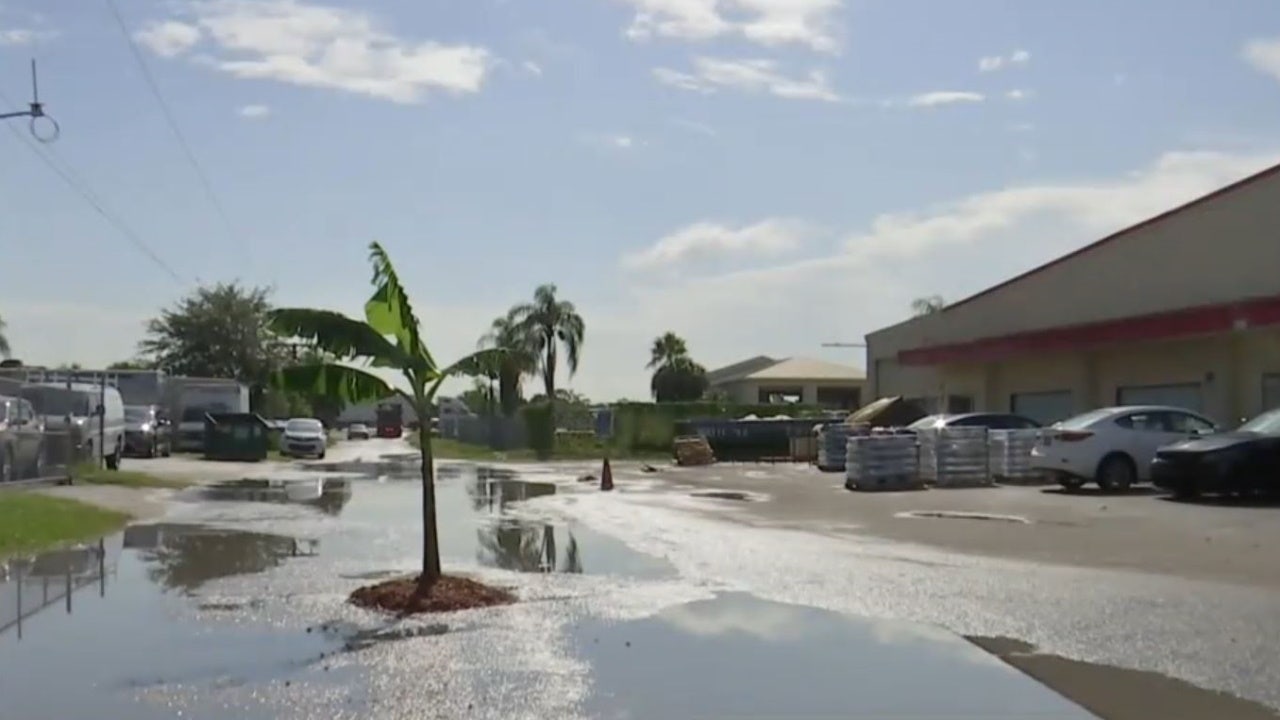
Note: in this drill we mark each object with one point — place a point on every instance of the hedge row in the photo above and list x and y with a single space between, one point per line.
652 426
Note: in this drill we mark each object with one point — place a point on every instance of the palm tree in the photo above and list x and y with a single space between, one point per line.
547 323
390 338
666 350
506 333
4 341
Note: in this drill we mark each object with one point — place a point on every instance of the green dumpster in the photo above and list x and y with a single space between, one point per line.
244 437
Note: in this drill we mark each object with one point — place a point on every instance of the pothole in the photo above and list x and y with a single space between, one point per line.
725 495
962 515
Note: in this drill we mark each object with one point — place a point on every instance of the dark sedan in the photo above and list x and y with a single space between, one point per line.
991 421
1242 461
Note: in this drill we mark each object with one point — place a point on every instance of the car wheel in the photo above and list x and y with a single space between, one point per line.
153 448
113 460
320 456
1116 473
168 448
37 465
7 471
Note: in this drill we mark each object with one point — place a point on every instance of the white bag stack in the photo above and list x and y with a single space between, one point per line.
1010 454
955 457
883 461
833 442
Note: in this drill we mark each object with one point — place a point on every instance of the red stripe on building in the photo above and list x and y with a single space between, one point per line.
1189 322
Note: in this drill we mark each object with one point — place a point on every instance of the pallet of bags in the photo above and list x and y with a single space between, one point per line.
833 441
955 457
1010 454
882 461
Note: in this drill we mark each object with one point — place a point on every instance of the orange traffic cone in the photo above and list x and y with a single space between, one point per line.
606 476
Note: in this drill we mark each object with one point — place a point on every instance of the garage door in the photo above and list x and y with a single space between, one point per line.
1043 407
1183 396
1270 391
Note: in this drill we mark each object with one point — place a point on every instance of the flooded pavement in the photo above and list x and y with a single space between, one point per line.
234 605
739 656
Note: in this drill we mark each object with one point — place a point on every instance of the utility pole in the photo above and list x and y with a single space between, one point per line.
35 111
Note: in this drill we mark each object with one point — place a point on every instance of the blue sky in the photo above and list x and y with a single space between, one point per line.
759 176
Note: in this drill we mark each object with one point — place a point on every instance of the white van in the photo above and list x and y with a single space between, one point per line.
58 403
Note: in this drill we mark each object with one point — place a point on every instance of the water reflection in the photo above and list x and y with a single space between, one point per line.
513 545
740 656
29 586
184 557
329 496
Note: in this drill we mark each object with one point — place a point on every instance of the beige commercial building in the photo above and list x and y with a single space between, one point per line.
1181 309
812 382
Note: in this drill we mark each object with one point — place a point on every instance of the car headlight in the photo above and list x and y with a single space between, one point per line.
1226 458
145 427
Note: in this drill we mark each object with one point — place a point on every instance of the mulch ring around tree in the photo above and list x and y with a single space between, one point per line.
402 596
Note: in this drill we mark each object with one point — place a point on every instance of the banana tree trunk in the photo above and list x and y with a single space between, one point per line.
430 536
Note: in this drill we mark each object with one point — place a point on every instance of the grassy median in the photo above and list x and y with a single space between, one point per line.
449 449
29 521
91 475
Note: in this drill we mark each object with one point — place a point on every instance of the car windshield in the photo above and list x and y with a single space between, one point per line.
57 401
1268 423
1083 420
137 414
302 426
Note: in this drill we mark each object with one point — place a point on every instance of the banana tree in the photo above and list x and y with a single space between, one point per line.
388 338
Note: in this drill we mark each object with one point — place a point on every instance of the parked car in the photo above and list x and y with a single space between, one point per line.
94 412
21 439
991 421
303 437
1113 446
358 431
1245 460
147 431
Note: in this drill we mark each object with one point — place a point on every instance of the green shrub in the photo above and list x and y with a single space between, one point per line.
652 426
541 428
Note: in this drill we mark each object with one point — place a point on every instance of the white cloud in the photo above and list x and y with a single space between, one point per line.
168 38
752 76
24 36
771 23
1263 55
318 46
254 111
944 97
991 63
623 141
716 241
532 67
952 248
1018 94
695 126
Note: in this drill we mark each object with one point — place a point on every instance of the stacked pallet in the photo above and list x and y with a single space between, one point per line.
1010 456
882 461
693 450
833 444
955 457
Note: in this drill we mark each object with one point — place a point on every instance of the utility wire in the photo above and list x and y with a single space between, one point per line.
82 188
150 80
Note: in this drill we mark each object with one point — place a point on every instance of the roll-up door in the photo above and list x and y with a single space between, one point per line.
1045 408
1186 395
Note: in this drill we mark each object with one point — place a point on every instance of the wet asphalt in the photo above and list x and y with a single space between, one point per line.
655 600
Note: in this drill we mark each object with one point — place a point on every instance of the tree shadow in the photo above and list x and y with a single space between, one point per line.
1094 491
1237 501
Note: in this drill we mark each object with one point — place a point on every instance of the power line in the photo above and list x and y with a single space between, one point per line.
82 188
150 80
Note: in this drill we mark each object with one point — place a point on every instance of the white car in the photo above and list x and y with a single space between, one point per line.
1113 446
303 437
